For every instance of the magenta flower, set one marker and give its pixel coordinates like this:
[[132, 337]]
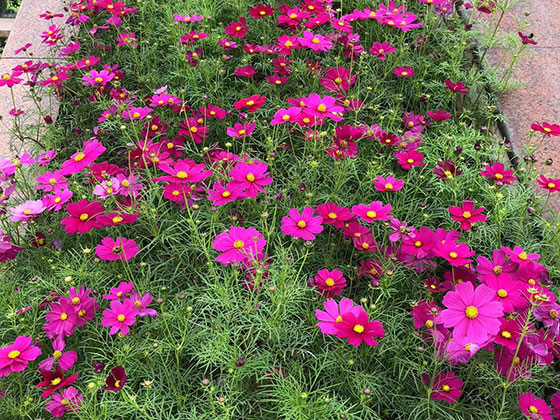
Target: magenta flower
[[401, 231], [409, 159], [187, 18], [555, 401], [251, 177], [68, 399], [445, 387], [65, 359], [183, 171], [127, 40], [136, 113], [404, 72], [286, 115], [237, 29], [499, 173], [240, 131], [120, 317], [94, 77], [387, 184], [52, 181], [548, 130], [239, 245], [119, 292], [27, 210], [141, 302], [508, 291], [304, 225], [82, 216], [337, 79], [456, 253], [323, 107], [333, 214], [61, 319], [381, 49], [54, 380], [246, 71], [14, 357], [374, 211], [357, 327], [330, 282], [315, 42], [534, 408], [549, 184], [474, 313], [80, 160], [518, 255], [457, 87], [116, 249], [221, 195], [467, 214], [332, 314], [439, 115]]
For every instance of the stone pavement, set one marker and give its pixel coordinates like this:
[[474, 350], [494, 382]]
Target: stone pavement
[[26, 29], [538, 98]]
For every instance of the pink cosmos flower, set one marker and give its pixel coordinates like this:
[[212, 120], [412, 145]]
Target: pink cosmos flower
[[518, 255], [68, 400], [119, 292], [80, 160], [94, 77], [288, 43], [128, 40], [27, 210], [508, 291], [332, 314], [457, 87], [54, 380], [404, 72], [221, 195], [381, 49], [10, 80], [334, 215], [323, 107], [240, 131], [474, 313], [409, 159], [330, 283], [141, 302], [467, 214], [116, 249], [261, 11], [187, 18], [534, 408], [82, 216], [315, 42], [439, 115], [136, 113], [55, 202], [555, 401], [251, 177], [304, 225], [499, 173], [286, 115], [52, 181], [14, 357], [548, 130], [252, 103], [65, 359], [374, 211], [183, 171], [387, 184], [239, 245], [357, 327], [61, 319], [445, 387], [337, 79], [549, 184], [456, 253], [120, 317], [237, 29]]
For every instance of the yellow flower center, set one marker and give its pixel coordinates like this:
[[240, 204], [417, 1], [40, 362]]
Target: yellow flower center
[[381, 50], [338, 80], [358, 328], [551, 185], [63, 316], [26, 211], [293, 16], [121, 318], [117, 384], [523, 256], [471, 312], [467, 214], [446, 388], [56, 381], [502, 293], [241, 132], [329, 282], [175, 193], [388, 186], [417, 244], [553, 314], [371, 214], [194, 130], [238, 244], [250, 178], [410, 160], [250, 103], [332, 215], [548, 130], [79, 157], [453, 254], [338, 319], [6, 77], [321, 108], [506, 334], [13, 354], [532, 408], [98, 79], [136, 114], [84, 217], [52, 181], [117, 219], [404, 73], [301, 224], [64, 401], [182, 174], [57, 354], [429, 323], [288, 44], [365, 245]]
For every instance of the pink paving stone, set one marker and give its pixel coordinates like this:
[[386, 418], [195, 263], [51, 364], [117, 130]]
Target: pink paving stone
[[26, 29], [538, 98]]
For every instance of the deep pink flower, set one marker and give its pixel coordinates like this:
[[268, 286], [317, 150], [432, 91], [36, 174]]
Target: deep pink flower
[[315, 42], [337, 79], [404, 72], [499, 173], [518, 255], [457, 87], [187, 18], [555, 401], [116, 249], [286, 115], [251, 177], [94, 77], [54, 380], [183, 171], [82, 216], [374, 211], [65, 359], [508, 291], [549, 184], [261, 11], [221, 195], [62, 319], [357, 327], [534, 408], [120, 317], [80, 160], [474, 313], [68, 400], [237, 29], [323, 107], [381, 49], [330, 283], [456, 253], [14, 357], [333, 214], [439, 115], [52, 181], [252, 103], [27, 210], [445, 387], [387, 184], [548, 130], [136, 113], [240, 131], [239, 245], [304, 225], [409, 159], [119, 292], [141, 302], [332, 314], [467, 214]]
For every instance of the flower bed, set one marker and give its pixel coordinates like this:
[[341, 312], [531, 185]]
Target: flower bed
[[249, 211]]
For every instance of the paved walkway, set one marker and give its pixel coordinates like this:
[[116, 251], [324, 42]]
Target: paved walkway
[[538, 99]]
